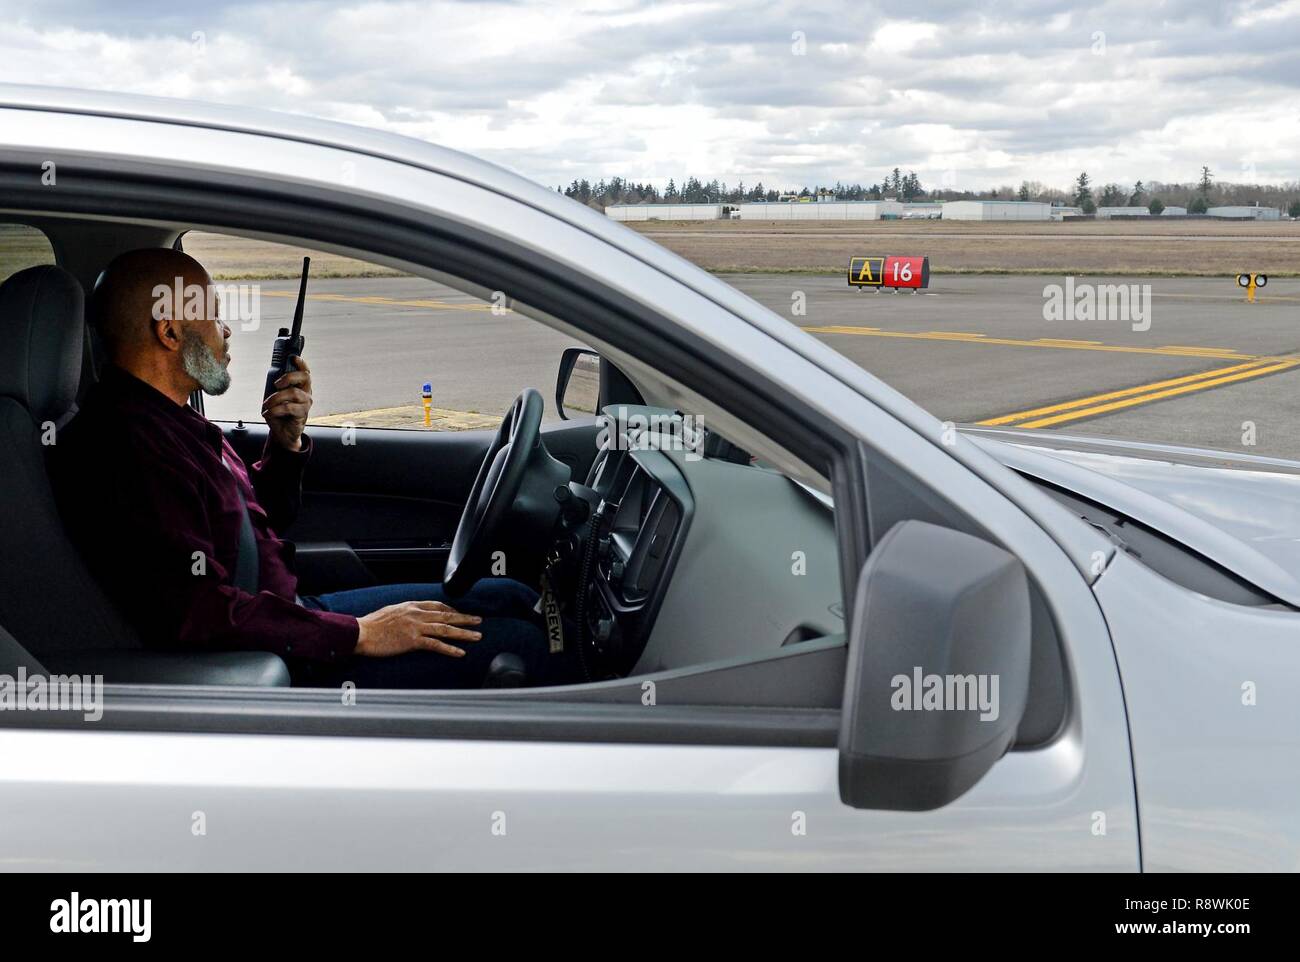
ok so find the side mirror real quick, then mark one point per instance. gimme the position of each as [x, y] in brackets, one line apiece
[938, 668]
[577, 388]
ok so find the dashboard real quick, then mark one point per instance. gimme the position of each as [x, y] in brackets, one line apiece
[640, 525]
[679, 558]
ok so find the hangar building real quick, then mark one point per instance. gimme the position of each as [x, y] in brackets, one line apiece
[996, 210]
[1243, 212]
[1106, 213]
[826, 210]
[664, 211]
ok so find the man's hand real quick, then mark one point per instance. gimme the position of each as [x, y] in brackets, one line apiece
[414, 626]
[286, 410]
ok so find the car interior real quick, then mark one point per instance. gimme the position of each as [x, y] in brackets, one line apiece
[634, 535]
[676, 563]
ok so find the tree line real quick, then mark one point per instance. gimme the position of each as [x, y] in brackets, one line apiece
[1196, 196]
[692, 190]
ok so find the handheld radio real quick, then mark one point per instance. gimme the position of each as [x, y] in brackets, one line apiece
[288, 343]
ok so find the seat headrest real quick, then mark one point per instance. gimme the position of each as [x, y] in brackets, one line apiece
[42, 333]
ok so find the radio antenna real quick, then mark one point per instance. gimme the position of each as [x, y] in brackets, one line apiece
[302, 297]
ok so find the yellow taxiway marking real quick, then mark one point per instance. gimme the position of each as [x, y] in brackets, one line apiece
[1195, 348]
[1226, 353]
[395, 302]
[1098, 404]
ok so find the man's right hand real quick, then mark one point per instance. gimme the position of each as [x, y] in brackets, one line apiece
[414, 626]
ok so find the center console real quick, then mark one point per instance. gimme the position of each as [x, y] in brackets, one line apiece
[614, 567]
[641, 525]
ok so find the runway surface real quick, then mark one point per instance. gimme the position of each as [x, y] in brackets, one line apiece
[1199, 366]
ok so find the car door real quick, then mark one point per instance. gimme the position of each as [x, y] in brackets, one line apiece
[346, 780]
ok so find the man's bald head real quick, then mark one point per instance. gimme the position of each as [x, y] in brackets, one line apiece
[128, 297]
[156, 310]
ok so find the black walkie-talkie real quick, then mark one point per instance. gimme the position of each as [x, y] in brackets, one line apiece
[288, 343]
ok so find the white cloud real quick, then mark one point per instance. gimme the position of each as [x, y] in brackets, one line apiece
[992, 94]
[901, 36]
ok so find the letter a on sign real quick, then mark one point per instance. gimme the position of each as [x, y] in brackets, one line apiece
[866, 271]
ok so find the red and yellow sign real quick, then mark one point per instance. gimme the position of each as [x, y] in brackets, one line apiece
[893, 271]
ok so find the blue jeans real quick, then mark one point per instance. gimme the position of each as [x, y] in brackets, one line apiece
[509, 625]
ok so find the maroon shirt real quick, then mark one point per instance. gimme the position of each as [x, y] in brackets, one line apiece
[142, 488]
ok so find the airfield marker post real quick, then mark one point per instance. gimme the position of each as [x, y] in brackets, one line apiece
[1251, 282]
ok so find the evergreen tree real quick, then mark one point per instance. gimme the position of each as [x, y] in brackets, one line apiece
[1112, 195]
[1082, 192]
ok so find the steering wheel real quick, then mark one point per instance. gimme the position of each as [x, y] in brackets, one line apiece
[513, 499]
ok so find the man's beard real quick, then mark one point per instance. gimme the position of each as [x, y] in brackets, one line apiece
[201, 364]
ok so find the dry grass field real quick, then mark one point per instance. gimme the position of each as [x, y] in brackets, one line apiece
[1166, 248]
[1177, 248]
[20, 248]
[237, 258]
[227, 258]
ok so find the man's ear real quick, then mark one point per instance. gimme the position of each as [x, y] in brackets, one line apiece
[168, 333]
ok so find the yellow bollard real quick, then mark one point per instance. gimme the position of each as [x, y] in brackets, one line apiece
[426, 395]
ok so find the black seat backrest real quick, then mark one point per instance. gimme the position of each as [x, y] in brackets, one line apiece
[14, 656]
[48, 599]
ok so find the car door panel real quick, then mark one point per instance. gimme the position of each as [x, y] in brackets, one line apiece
[380, 506]
[216, 802]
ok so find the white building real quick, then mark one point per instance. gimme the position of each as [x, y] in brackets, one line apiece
[826, 210]
[664, 212]
[922, 210]
[1060, 213]
[1105, 213]
[996, 210]
[1244, 212]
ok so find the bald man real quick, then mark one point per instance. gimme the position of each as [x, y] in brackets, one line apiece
[159, 504]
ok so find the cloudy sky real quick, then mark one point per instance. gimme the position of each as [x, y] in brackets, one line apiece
[967, 94]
